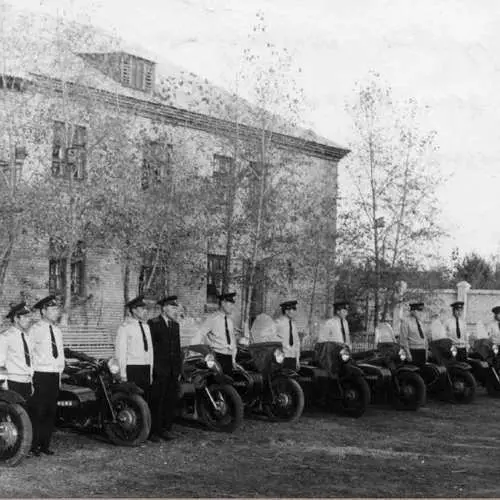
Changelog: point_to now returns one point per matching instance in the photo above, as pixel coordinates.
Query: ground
(441, 450)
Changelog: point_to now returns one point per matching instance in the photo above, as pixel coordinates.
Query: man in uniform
(15, 352)
(48, 364)
(456, 330)
(332, 337)
(412, 336)
(493, 328)
(166, 368)
(287, 333)
(218, 330)
(134, 347)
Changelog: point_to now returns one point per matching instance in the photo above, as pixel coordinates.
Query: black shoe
(154, 438)
(35, 452)
(47, 451)
(166, 436)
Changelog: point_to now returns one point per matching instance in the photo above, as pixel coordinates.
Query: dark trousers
(418, 356)
(290, 364)
(225, 361)
(23, 388)
(43, 408)
(164, 395)
(461, 354)
(140, 375)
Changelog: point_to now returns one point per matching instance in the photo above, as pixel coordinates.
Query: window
(57, 271)
(137, 73)
(156, 163)
(152, 276)
(216, 267)
(69, 151)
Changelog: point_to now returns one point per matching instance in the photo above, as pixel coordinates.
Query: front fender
(11, 397)
(351, 370)
(407, 368)
(285, 372)
(127, 388)
(459, 365)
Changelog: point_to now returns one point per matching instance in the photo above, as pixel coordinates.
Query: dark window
(137, 73)
(152, 276)
(69, 151)
(216, 267)
(57, 272)
(156, 163)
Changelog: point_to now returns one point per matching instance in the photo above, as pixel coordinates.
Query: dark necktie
(291, 332)
(26, 350)
(55, 352)
(144, 340)
(228, 337)
(420, 332)
(458, 329)
(343, 330)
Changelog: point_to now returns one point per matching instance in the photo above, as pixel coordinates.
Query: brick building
(72, 80)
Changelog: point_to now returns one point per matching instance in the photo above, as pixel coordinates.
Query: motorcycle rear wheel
(412, 391)
(463, 386)
(228, 416)
(288, 402)
(16, 434)
(133, 420)
(356, 396)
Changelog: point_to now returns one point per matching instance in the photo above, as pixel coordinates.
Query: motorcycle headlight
(495, 349)
(453, 351)
(113, 366)
(345, 355)
(210, 361)
(402, 355)
(279, 356)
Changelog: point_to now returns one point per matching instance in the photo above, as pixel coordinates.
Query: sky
(444, 53)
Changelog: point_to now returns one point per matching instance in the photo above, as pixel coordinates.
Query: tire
(229, 416)
(356, 396)
(412, 393)
(492, 386)
(463, 390)
(16, 433)
(133, 420)
(288, 403)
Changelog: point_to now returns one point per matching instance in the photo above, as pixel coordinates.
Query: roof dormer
(130, 70)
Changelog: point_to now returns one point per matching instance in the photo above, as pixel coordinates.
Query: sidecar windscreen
(197, 349)
(263, 329)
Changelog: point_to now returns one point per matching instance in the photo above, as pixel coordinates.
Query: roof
(51, 47)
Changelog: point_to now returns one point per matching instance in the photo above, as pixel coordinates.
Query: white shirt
(12, 358)
(409, 337)
(331, 331)
(213, 332)
(451, 331)
(129, 346)
(41, 342)
(283, 334)
(494, 331)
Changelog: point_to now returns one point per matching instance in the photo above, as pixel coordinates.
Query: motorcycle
(206, 394)
(343, 388)
(485, 362)
(264, 385)
(457, 382)
(92, 398)
(16, 432)
(404, 389)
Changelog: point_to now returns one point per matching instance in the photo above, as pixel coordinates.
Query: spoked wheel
(133, 420)
(16, 433)
(287, 403)
(463, 387)
(412, 392)
(356, 396)
(220, 407)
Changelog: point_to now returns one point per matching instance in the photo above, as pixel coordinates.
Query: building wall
(103, 303)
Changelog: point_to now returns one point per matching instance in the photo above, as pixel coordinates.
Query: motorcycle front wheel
(412, 392)
(463, 386)
(16, 434)
(221, 411)
(133, 420)
(287, 403)
(356, 396)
